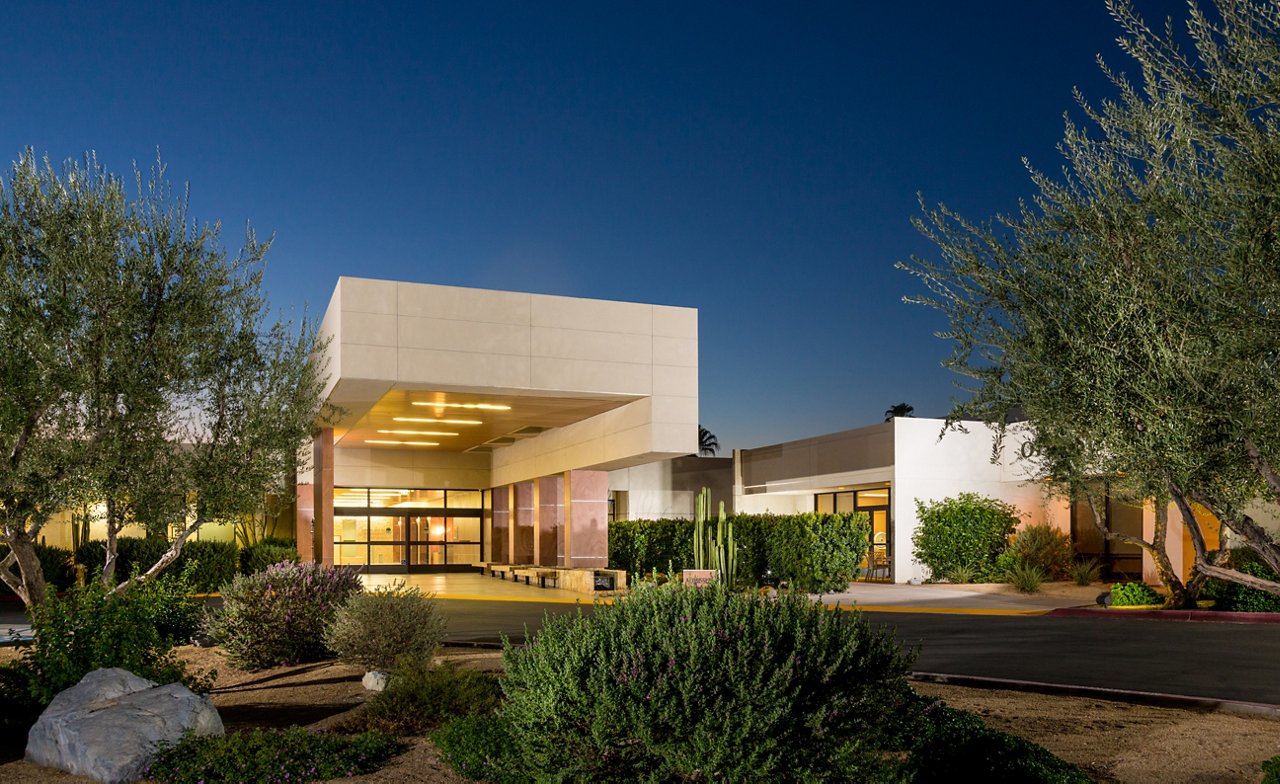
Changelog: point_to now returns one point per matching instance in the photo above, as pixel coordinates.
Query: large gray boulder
(107, 725)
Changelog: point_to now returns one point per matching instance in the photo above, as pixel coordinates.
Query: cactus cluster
(713, 545)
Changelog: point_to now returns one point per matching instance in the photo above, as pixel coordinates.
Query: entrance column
(522, 523)
(549, 550)
(322, 497)
(586, 519)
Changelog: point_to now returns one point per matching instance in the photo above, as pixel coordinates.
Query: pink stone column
(500, 535)
(550, 550)
(322, 495)
(586, 515)
(304, 513)
(522, 523)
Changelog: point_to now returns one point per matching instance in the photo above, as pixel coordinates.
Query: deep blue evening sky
(759, 162)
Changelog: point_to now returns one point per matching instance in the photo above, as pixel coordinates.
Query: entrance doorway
(877, 565)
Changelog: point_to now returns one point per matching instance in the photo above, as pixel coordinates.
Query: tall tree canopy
(1132, 308)
(138, 365)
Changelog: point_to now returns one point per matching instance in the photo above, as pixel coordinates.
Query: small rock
(376, 680)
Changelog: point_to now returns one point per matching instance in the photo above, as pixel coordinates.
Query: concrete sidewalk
(992, 599)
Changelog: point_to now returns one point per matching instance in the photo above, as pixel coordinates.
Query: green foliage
(481, 748)
(421, 696)
(1134, 595)
(969, 530)
(278, 616)
(1086, 571)
(1026, 577)
(55, 562)
(216, 563)
(680, 682)
(87, 629)
(292, 755)
(375, 629)
(963, 574)
(141, 362)
(818, 553)
(1234, 597)
(956, 746)
(259, 556)
(1271, 771)
(1046, 548)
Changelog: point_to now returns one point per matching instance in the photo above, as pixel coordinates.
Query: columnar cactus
(715, 548)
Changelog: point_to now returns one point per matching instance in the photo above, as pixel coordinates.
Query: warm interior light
(439, 421)
(416, 433)
(470, 406)
(400, 443)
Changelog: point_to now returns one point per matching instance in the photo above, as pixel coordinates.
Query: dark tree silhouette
(898, 410)
(708, 444)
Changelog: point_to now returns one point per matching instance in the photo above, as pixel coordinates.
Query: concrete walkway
(475, 587)
(964, 599)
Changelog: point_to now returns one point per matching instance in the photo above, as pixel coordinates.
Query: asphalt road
(1220, 661)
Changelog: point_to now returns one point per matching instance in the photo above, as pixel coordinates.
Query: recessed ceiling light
(470, 406)
(416, 433)
(438, 421)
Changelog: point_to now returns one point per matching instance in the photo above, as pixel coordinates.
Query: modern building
(472, 425)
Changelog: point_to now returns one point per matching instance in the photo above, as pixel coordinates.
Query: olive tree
(1131, 308)
(140, 369)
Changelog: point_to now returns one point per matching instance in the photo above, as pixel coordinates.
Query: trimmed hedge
(131, 551)
(814, 552)
(216, 562)
(257, 557)
(1233, 597)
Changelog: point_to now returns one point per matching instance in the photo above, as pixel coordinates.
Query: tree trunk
(1178, 596)
(28, 584)
(113, 528)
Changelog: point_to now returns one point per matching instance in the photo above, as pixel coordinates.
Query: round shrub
(969, 530)
(374, 629)
(1134, 595)
(422, 696)
(278, 616)
(682, 683)
(1045, 548)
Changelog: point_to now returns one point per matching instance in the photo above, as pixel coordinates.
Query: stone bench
(541, 575)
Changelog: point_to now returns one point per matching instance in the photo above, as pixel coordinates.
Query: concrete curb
(1207, 616)
(1158, 699)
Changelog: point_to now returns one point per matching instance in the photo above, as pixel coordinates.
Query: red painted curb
(1209, 616)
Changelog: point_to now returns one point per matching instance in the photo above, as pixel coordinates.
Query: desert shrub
(1239, 598)
(818, 553)
(421, 696)
(215, 563)
(1005, 563)
(953, 745)
(1086, 571)
(967, 530)
(1044, 547)
(88, 629)
(132, 554)
(276, 756)
(680, 683)
(278, 616)
(1134, 595)
(19, 707)
(259, 556)
(55, 563)
(1271, 771)
(375, 629)
(1026, 577)
(480, 747)
(963, 574)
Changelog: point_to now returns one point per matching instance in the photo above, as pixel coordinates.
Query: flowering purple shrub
(278, 616)
(680, 683)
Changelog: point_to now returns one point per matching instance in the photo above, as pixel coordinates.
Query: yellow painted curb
(886, 608)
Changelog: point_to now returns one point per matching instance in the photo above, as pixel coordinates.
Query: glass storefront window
(464, 499)
(463, 529)
(396, 535)
(464, 553)
(350, 529)
(357, 497)
(350, 554)
(844, 503)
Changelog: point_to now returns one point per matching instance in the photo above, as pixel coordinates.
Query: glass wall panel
(463, 529)
(877, 497)
(350, 554)
(824, 503)
(386, 554)
(350, 497)
(350, 529)
(464, 554)
(407, 499)
(386, 529)
(844, 502)
(464, 499)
